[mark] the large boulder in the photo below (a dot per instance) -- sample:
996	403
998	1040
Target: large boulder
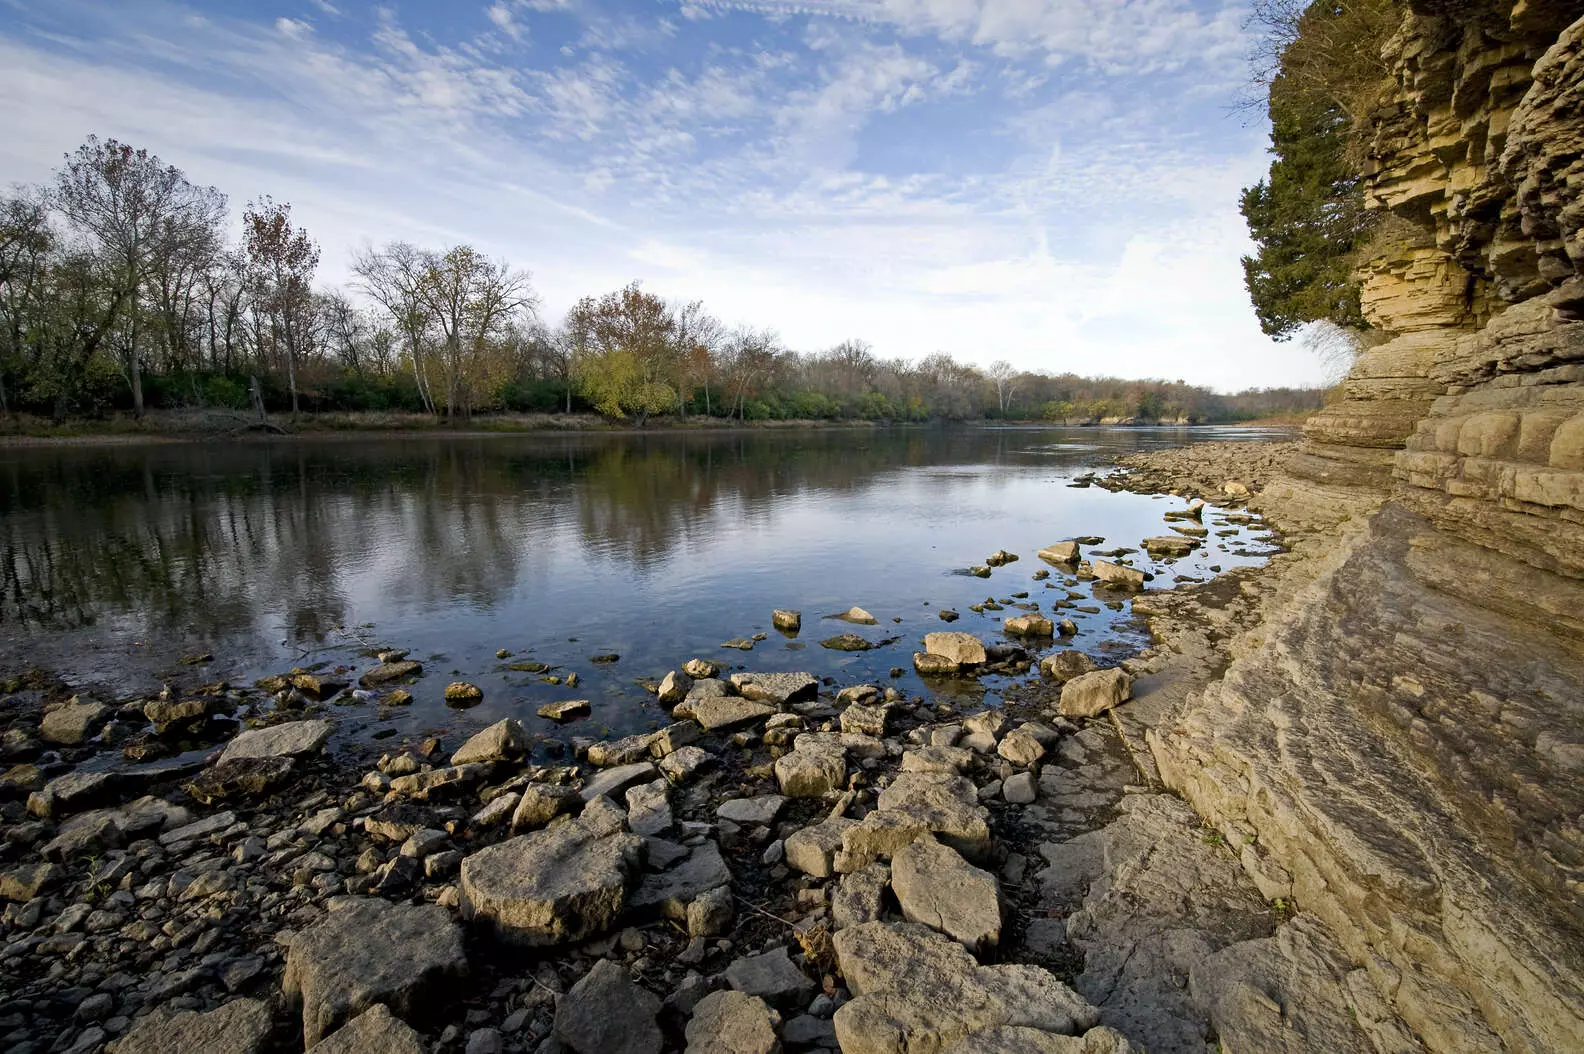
964	649
733	1023
606	1013
73	721
368	951
241	1026
1095	693
503	740
284	740
551	887
937	887
915	990
374	1031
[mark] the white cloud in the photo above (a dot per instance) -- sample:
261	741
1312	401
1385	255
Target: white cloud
293	28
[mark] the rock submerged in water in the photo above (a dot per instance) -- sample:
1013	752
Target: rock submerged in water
463	694
386	672
961	649
1030	626
565	710
855	615
786	621
846	642
1117	575
1061	553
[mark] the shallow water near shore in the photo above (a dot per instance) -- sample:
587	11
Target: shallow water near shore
119	561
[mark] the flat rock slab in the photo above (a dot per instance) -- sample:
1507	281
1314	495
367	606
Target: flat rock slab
1117	575
284	740
368	951
386	672
915	990
761	810
374	1031
813	849
1019	1039
553	886
964	649
776	688
772	977
73	722
613	782
606	1013
937	887
813	771
918	803
241	1026
669	893
725	711
733	1023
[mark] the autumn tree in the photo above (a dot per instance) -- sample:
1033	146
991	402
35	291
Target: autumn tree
471	299
281	264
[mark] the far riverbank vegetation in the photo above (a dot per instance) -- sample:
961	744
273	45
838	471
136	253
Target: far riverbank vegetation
123	299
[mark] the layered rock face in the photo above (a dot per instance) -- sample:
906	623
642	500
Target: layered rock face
1400	750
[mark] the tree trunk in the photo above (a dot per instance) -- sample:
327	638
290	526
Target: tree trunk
257	394
137	381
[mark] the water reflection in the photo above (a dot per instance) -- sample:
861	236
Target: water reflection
649	545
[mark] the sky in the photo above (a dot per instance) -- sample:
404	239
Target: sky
1050	182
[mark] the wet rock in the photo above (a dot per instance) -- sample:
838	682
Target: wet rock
374	1031
553	886
777	688
846	642
937	887
606	1013
368	951
502	741
964	649
317	686
816	766
565	710
771	976
733	1023
243	777
701	669
167	715
1030	626
386	672
787	621
1117	575
1094	693
1065	665
813	849
740	643
73	721
463	694
856	615
916	990
860	896
241	1026
1000	558
1169	545
751	811
1060	553
284	740
929	665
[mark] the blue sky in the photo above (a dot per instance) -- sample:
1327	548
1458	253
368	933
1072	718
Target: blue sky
1053	182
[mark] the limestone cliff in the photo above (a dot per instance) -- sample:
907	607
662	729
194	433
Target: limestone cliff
1400	748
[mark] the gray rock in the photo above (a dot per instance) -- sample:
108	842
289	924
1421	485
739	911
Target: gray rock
554	886
284	740
28	880
1094	693
937	887
628	750
670	892
915	990
914	804
1117	575
386	672
817	766
711	914
612	782
649	808
368	951
865	720
776	688
724	711
606	1013
241	1026
374	1031
239	778
732	1023
503	740
73	721
1021	789
543	802
860	896
682	765
752	811
71	793
1065	665
484	1041
772	977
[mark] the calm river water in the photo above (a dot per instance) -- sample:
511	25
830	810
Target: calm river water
115	561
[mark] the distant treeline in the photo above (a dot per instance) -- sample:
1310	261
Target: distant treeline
120	291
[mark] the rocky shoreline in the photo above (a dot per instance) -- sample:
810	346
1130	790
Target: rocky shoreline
788	865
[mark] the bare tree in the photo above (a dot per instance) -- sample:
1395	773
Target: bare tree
281	264
1006	380
750	355
394	278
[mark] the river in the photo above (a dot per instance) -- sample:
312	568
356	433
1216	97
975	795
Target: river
118	561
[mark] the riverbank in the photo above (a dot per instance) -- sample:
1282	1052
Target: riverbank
212	426
725	874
